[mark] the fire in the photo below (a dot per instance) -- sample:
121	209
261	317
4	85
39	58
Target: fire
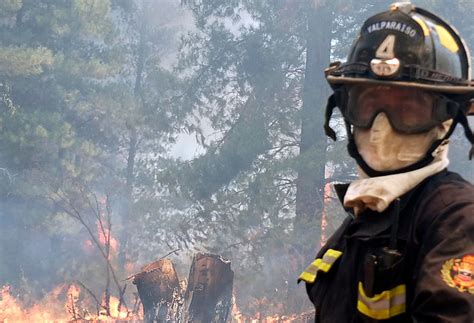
239	317
324	223
104	235
48	309
115	311
9	307
103	227
63	304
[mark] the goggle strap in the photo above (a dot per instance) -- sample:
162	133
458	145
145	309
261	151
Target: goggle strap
329	110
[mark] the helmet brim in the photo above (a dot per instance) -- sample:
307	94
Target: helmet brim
458	90
450	89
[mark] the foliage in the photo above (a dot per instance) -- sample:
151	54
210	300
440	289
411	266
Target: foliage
94	94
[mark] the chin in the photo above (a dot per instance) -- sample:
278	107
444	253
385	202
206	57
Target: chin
384	163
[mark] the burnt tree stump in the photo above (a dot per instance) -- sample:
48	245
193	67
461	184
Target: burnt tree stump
208	297
159	290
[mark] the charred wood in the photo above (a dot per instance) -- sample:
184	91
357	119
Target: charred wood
160	293
208	297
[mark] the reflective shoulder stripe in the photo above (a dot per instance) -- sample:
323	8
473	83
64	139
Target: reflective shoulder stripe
382	306
320	264
333	253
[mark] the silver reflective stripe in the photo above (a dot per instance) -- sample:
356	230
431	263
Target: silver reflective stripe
383	303
320	264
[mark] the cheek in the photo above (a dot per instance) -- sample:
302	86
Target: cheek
361	138
422	142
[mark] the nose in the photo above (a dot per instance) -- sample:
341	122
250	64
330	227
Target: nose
381	122
381	129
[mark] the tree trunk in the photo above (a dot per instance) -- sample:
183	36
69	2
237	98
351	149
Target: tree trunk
134	136
160	292
208	296
310	178
310	181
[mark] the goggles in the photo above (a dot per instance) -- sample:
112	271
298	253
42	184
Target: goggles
408	110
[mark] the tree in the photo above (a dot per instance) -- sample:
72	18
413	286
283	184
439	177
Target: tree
43	48
250	83
69	117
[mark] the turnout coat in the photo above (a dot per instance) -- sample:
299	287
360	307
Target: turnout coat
412	263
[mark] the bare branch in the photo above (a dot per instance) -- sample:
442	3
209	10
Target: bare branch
71	210
98	305
169	253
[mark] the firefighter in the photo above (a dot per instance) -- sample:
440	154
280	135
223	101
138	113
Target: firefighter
405	251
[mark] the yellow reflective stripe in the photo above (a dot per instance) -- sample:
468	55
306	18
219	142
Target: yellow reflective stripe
307	277
333	253
324	264
446	39
422	24
313	268
309	274
384	305
381	314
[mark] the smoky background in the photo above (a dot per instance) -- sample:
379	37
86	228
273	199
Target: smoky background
187	126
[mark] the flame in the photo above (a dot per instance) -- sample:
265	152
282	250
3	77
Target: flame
63	304
104	232
104	235
48	309
324	222
115	311
9	307
67	302
239	317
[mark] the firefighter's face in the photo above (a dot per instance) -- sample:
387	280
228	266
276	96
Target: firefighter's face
384	149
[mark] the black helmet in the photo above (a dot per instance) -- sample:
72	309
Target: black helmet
408	47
